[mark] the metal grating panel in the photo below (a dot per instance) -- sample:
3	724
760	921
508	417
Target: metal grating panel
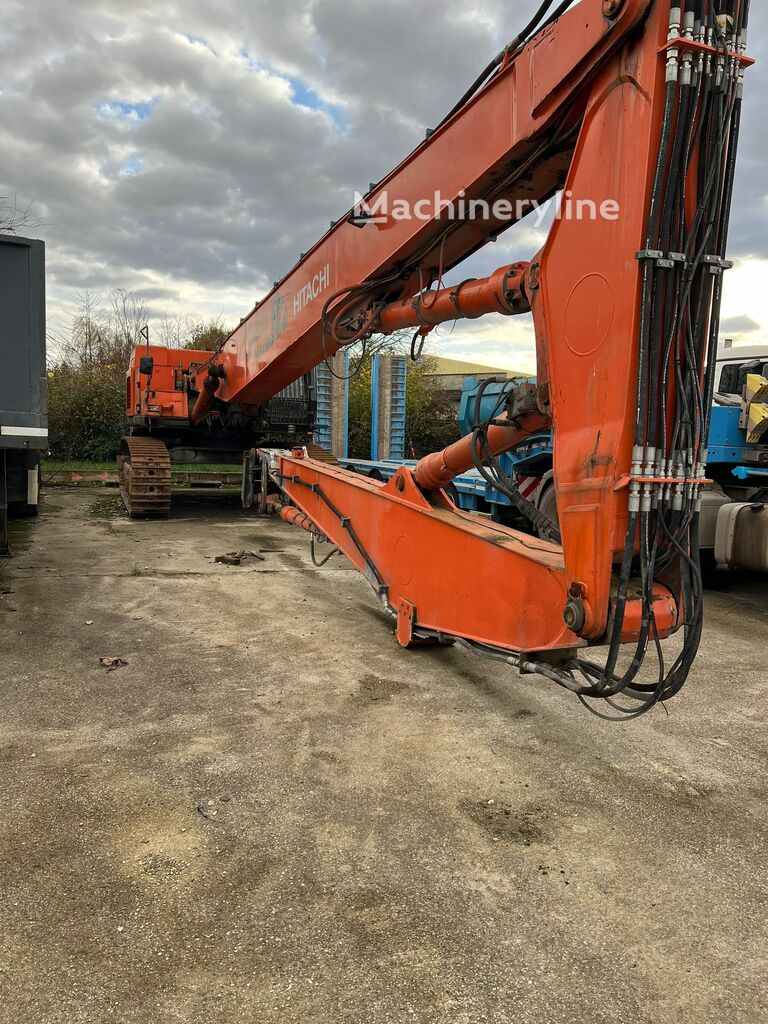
332	417
397	413
324	415
388	391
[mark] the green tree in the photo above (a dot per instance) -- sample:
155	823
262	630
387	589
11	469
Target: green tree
207	335
86	411
86	377
431	420
360	411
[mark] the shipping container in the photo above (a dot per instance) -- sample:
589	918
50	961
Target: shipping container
23	407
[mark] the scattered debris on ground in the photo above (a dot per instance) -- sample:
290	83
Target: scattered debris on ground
112	664
238	557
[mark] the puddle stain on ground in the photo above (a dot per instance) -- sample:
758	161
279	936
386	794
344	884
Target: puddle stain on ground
505	823
373	689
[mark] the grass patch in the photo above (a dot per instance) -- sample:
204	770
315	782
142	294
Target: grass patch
109	507
136	570
57	469
5	576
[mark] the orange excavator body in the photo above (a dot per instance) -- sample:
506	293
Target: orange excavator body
166	396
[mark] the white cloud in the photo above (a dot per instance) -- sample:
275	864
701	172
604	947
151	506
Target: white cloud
745	297
190	150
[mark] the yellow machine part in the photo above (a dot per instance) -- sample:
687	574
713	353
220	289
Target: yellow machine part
757	389
757	422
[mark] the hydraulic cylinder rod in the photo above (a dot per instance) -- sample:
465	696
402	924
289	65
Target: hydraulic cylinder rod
437	470
211	384
502	292
295	517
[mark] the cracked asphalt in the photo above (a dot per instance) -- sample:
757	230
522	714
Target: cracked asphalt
274	814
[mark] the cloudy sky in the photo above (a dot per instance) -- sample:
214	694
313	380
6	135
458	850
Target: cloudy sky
189	149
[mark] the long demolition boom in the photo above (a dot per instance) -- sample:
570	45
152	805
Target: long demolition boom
632	106
495	147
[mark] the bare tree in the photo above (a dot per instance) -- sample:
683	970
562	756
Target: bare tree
172	331
88	330
102	333
13	217
127	317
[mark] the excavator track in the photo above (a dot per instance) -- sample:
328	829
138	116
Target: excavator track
144	469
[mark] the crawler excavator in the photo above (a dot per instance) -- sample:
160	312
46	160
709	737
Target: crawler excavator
631	103
158	387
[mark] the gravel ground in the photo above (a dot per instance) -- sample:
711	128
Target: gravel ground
274	814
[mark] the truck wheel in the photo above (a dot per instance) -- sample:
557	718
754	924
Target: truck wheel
453	494
711	573
548	506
